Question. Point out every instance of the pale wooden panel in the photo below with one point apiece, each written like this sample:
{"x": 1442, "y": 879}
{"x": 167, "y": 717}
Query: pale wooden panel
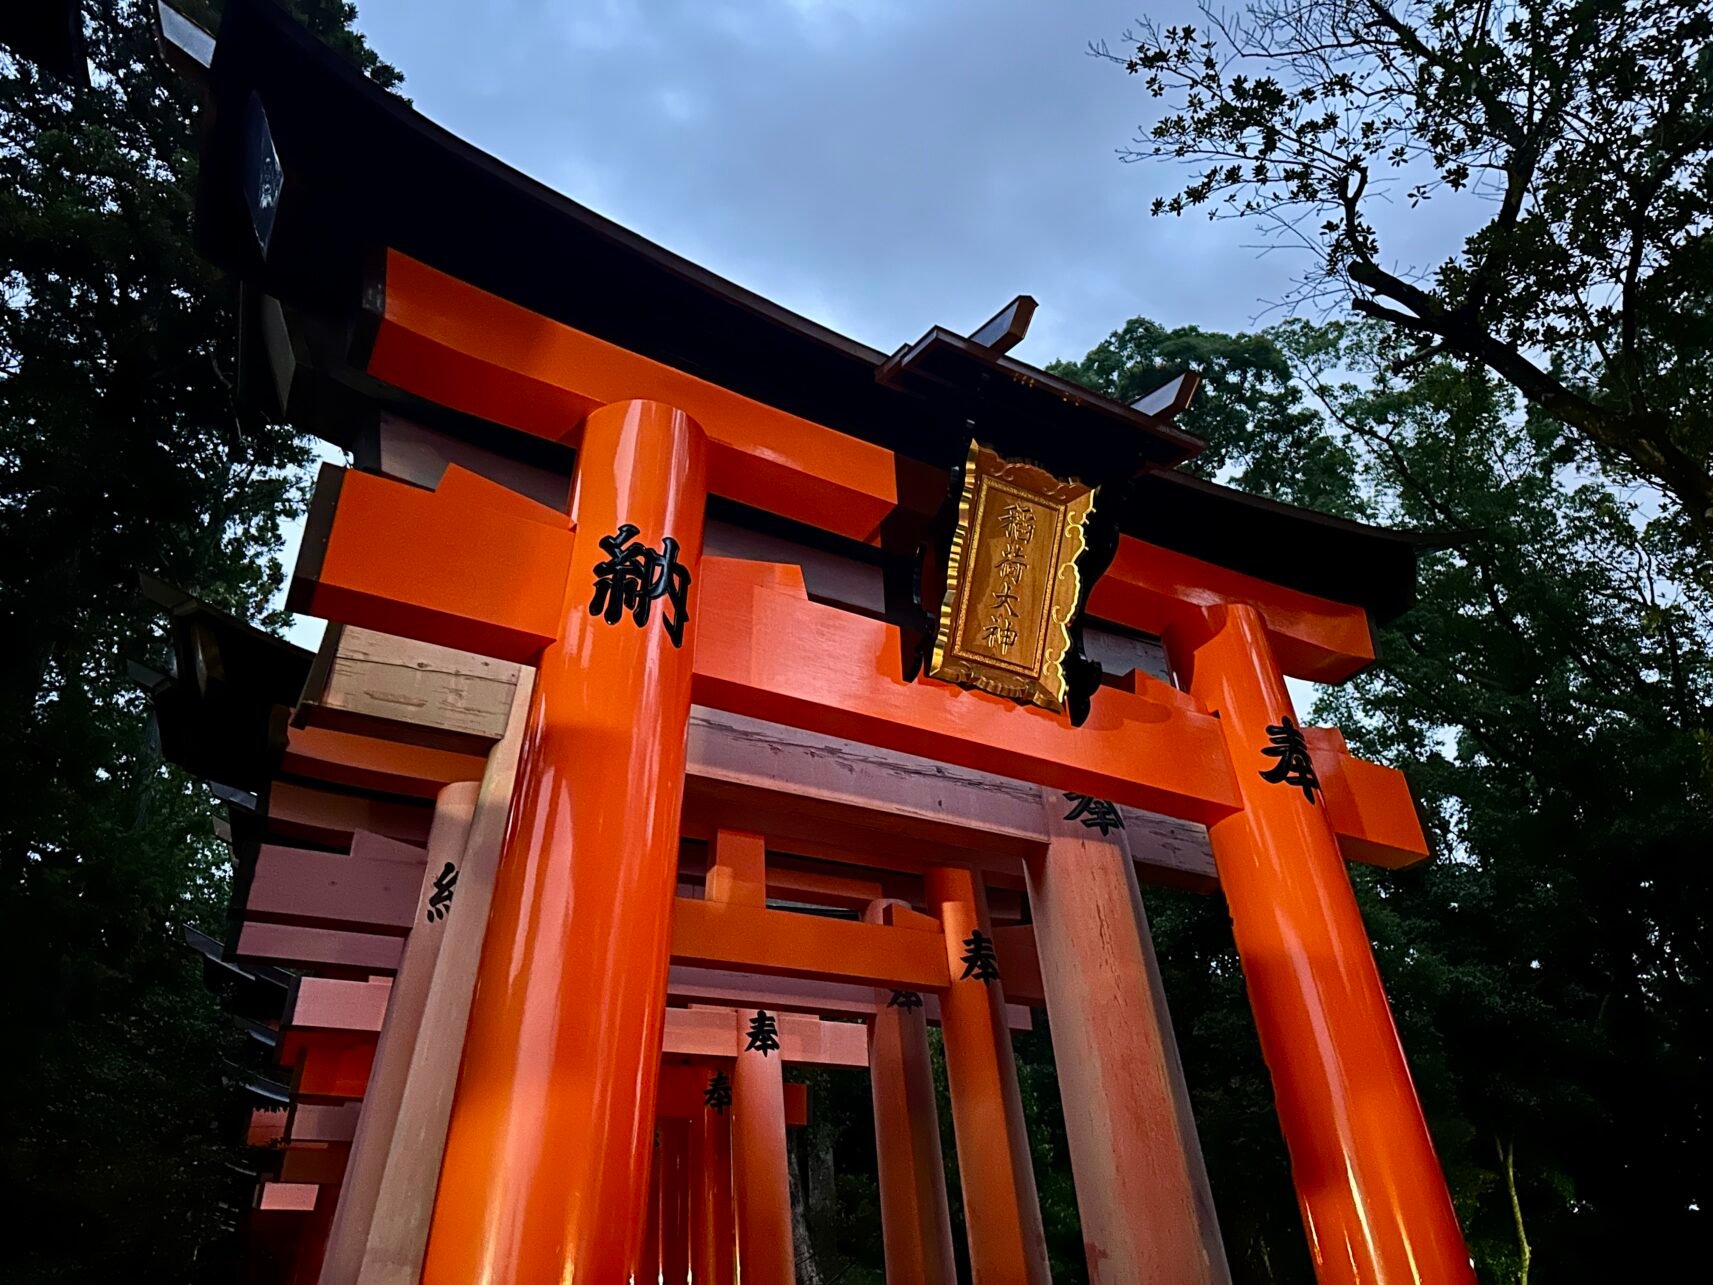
{"x": 407, "y": 1000}
{"x": 870, "y": 806}
{"x": 332, "y": 1004}
{"x": 296, "y": 946}
{"x": 1142, "y": 1188}
{"x": 398, "y": 1230}
{"x": 314, "y": 1122}
{"x": 370, "y": 894}
{"x": 718, "y": 1032}
{"x": 381, "y": 685}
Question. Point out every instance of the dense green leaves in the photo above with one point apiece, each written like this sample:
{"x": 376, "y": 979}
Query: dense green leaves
{"x": 1552, "y": 695}
{"x": 120, "y": 452}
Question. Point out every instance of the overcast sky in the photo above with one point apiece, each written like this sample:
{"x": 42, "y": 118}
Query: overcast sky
{"x": 878, "y": 165}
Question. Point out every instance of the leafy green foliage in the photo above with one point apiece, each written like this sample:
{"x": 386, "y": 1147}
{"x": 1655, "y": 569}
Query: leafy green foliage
{"x": 1575, "y": 136}
{"x": 1552, "y": 695}
{"x": 120, "y": 452}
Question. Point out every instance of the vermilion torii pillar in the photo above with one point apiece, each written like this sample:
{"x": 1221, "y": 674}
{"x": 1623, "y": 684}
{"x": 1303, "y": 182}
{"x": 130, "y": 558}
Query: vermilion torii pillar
{"x": 914, "y": 1219}
{"x": 1373, "y": 1200}
{"x": 1002, "y": 1213}
{"x": 712, "y": 1233}
{"x": 545, "y": 1175}
{"x": 761, "y": 1189}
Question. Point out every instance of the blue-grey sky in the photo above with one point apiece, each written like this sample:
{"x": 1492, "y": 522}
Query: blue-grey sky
{"x": 878, "y": 165}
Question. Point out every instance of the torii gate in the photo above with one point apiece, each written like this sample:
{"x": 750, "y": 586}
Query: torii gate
{"x": 628, "y": 621}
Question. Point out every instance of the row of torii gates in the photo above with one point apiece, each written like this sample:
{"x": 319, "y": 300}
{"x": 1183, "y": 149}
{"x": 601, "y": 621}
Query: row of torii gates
{"x": 852, "y": 691}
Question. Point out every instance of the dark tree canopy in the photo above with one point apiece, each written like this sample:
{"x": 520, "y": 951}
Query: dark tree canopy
{"x": 1576, "y": 135}
{"x": 1552, "y": 696}
{"x": 120, "y": 452}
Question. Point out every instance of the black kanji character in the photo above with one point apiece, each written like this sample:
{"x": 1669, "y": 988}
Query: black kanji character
{"x": 763, "y": 1033}
{"x": 979, "y": 961}
{"x": 905, "y": 999}
{"x": 440, "y": 900}
{"x": 633, "y": 576}
{"x": 1097, "y": 814}
{"x": 718, "y": 1094}
{"x": 1285, "y": 742}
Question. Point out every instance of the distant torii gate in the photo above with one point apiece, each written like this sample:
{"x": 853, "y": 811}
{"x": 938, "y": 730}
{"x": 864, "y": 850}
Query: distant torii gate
{"x": 629, "y": 620}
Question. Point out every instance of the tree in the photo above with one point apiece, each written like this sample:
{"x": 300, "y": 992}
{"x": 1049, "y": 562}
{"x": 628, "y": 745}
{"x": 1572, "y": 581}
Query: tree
{"x": 1552, "y": 696}
{"x": 1579, "y": 134}
{"x": 120, "y": 452}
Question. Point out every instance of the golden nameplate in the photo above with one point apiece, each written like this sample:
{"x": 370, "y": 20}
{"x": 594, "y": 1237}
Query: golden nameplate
{"x": 1011, "y": 580}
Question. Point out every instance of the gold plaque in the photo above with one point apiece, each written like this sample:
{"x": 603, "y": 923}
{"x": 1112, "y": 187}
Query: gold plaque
{"x": 1011, "y": 580}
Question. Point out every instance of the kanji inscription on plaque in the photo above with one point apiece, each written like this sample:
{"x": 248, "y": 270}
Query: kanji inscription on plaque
{"x": 1012, "y": 586}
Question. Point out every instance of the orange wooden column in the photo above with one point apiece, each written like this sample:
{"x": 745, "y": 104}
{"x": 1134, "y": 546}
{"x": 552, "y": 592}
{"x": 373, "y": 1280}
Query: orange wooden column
{"x": 1142, "y": 1192}
{"x": 761, "y": 1188}
{"x": 1002, "y": 1213}
{"x": 675, "y": 1201}
{"x": 1374, "y": 1201}
{"x": 915, "y": 1223}
{"x": 712, "y": 1234}
{"x": 647, "y": 1268}
{"x": 545, "y": 1175}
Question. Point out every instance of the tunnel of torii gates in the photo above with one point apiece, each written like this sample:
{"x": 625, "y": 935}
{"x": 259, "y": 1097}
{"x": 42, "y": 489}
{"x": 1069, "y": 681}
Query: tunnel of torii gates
{"x": 706, "y": 692}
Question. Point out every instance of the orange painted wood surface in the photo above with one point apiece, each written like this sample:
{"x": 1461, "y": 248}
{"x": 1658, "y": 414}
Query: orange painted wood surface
{"x": 330, "y": 1064}
{"x": 836, "y": 673}
{"x": 760, "y": 1186}
{"x": 1370, "y": 806}
{"x": 713, "y": 1233}
{"x": 305, "y": 812}
{"x": 1373, "y": 1199}
{"x": 1002, "y": 1213}
{"x": 1151, "y": 589}
{"x": 707, "y": 1032}
{"x": 457, "y": 345}
{"x": 438, "y": 566}
{"x": 1142, "y": 1192}
{"x": 545, "y": 1170}
{"x": 450, "y": 342}
{"x": 712, "y": 934}
{"x": 915, "y": 1218}
{"x": 737, "y": 869}
{"x": 375, "y": 764}
{"x": 674, "y": 1201}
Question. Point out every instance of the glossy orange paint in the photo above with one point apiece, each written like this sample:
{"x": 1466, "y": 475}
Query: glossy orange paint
{"x": 713, "y": 934}
{"x": 330, "y": 1064}
{"x": 445, "y": 567}
{"x": 915, "y": 1221}
{"x": 760, "y": 1186}
{"x": 1373, "y": 1199}
{"x": 646, "y": 1270}
{"x": 1151, "y": 589}
{"x": 1002, "y": 1213}
{"x": 675, "y": 1202}
{"x": 452, "y": 343}
{"x": 545, "y": 1173}
{"x": 837, "y": 673}
{"x": 369, "y": 763}
{"x": 737, "y": 871}
{"x": 713, "y": 1235}
{"x": 1370, "y": 805}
